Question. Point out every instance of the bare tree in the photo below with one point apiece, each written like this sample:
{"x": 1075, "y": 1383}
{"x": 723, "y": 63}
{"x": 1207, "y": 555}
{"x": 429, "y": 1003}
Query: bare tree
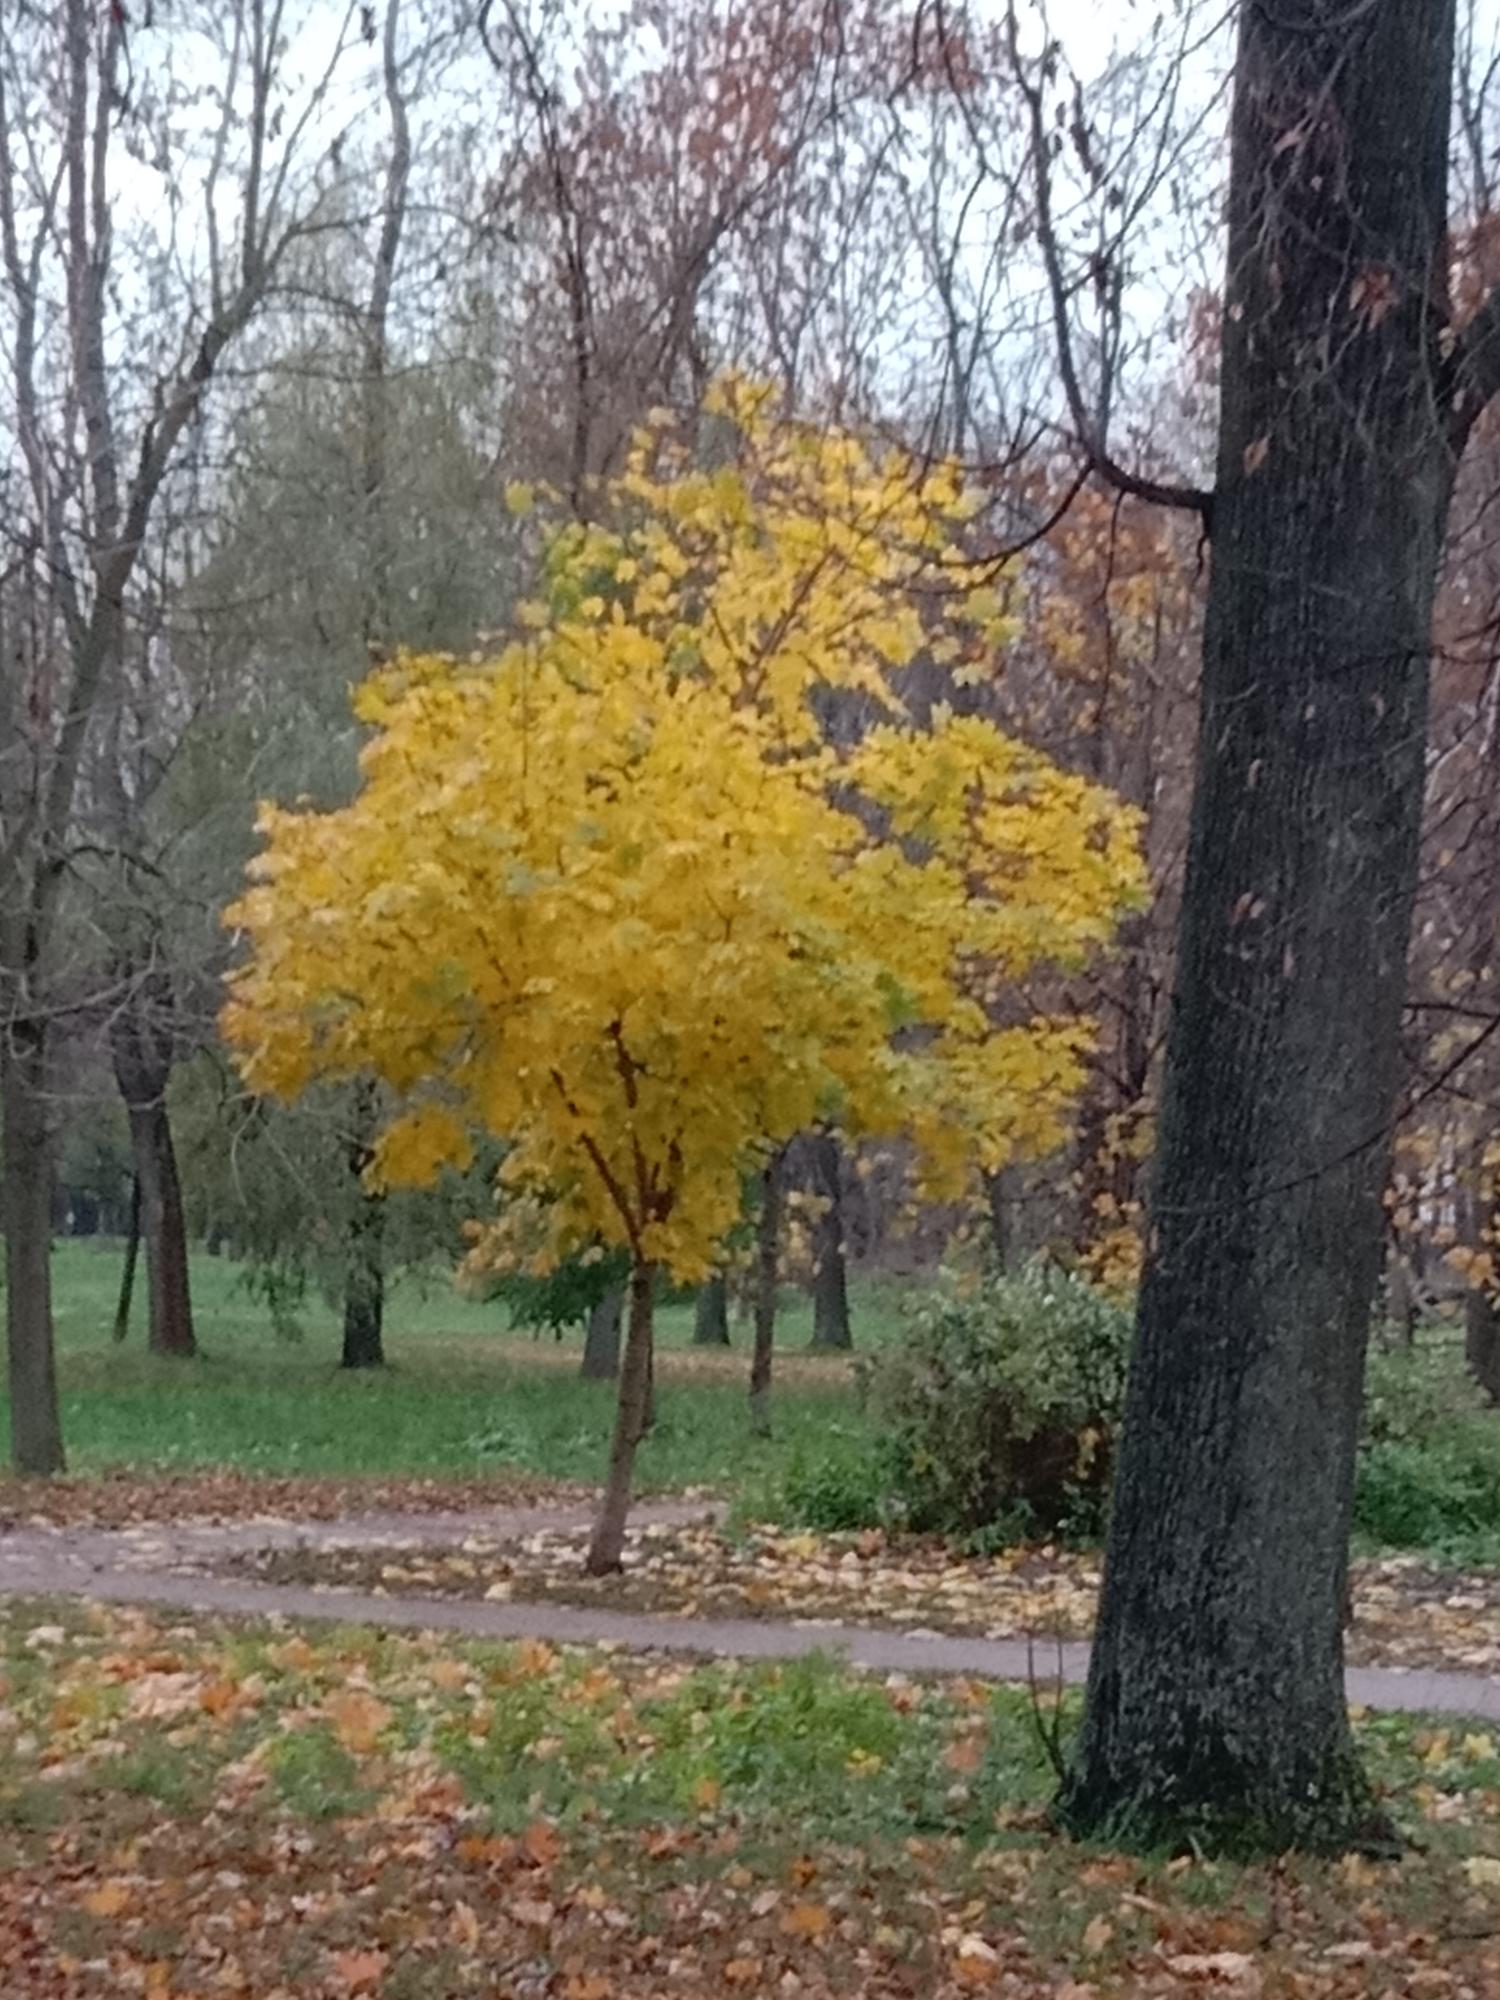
{"x": 116, "y": 328}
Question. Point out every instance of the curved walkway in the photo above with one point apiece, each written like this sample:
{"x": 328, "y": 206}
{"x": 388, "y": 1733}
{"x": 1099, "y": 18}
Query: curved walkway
{"x": 171, "y": 1565}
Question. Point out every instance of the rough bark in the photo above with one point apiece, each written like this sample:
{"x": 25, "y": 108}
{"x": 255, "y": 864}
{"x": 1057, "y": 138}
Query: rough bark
{"x": 163, "y": 1231}
{"x": 364, "y": 1285}
{"x": 1215, "y": 1711}
{"x": 141, "y": 1045}
{"x": 711, "y": 1313}
{"x": 632, "y": 1421}
{"x": 26, "y": 1200}
{"x": 601, "y": 1343}
{"x": 830, "y": 1289}
{"x": 767, "y": 1273}
{"x": 132, "y": 1255}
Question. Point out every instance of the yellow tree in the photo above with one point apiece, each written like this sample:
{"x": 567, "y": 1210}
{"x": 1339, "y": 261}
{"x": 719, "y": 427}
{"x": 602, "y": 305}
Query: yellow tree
{"x": 619, "y": 895}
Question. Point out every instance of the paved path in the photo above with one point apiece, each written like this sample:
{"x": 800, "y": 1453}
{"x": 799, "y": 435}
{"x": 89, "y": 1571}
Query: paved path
{"x": 163, "y": 1565}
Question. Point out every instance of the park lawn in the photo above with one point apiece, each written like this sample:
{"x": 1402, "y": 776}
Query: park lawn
{"x": 465, "y": 1396}
{"x": 194, "y": 1807}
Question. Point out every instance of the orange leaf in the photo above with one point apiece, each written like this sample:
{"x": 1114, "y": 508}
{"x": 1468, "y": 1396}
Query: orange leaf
{"x": 806, "y": 1920}
{"x": 965, "y": 1754}
{"x": 540, "y": 1844}
{"x": 742, "y": 1972}
{"x": 110, "y": 1899}
{"x": 977, "y": 1963}
{"x": 358, "y": 1719}
{"x": 706, "y": 1794}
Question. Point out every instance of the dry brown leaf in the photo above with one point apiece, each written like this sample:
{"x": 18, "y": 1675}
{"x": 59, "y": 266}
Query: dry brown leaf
{"x": 1097, "y": 1934}
{"x": 540, "y": 1844}
{"x": 742, "y": 1972}
{"x": 358, "y": 1971}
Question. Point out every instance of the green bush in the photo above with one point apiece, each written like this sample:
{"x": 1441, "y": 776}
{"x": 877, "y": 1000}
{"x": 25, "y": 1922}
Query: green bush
{"x": 849, "y": 1484}
{"x": 999, "y": 1409}
{"x": 1442, "y": 1495}
{"x": 1429, "y": 1460}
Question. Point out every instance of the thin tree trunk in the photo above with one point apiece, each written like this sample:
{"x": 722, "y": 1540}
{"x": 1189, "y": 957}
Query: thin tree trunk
{"x": 163, "y": 1231}
{"x": 364, "y": 1252}
{"x": 364, "y": 1286}
{"x": 141, "y": 1042}
{"x": 767, "y": 1274}
{"x": 711, "y": 1313}
{"x": 127, "y": 1269}
{"x": 830, "y": 1290}
{"x": 26, "y": 1198}
{"x": 1216, "y": 1712}
{"x": 632, "y": 1421}
{"x": 997, "y": 1207}
{"x": 601, "y": 1344}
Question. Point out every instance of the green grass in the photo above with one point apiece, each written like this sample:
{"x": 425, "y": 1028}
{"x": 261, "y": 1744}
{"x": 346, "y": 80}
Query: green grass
{"x": 465, "y": 1393}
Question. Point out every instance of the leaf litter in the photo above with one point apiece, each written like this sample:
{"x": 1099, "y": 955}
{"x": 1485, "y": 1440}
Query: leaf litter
{"x": 197, "y": 1808}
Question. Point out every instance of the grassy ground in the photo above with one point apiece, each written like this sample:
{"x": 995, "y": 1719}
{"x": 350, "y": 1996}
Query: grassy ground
{"x": 199, "y": 1808}
{"x": 465, "y": 1394}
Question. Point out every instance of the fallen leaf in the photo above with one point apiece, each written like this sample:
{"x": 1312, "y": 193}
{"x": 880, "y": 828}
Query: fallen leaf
{"x": 1097, "y": 1934}
{"x": 1229, "y": 1965}
{"x": 806, "y": 1920}
{"x": 976, "y": 1962}
{"x": 359, "y": 1971}
{"x": 358, "y": 1719}
{"x": 540, "y": 1844}
{"x": 742, "y": 1972}
{"x": 110, "y": 1899}
{"x": 1483, "y": 1870}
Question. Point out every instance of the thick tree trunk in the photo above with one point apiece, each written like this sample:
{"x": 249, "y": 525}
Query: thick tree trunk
{"x": 163, "y": 1230}
{"x": 364, "y": 1250}
{"x": 1215, "y": 1711}
{"x": 601, "y": 1343}
{"x": 767, "y": 1275}
{"x": 711, "y": 1313}
{"x": 1482, "y": 1340}
{"x": 26, "y": 1198}
{"x": 831, "y": 1328}
{"x": 632, "y": 1421}
{"x": 132, "y": 1254}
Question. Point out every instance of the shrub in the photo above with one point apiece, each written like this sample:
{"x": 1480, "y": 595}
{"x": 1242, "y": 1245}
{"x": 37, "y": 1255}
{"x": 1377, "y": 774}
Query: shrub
{"x": 1429, "y": 1461}
{"x": 1000, "y": 1407}
{"x": 842, "y": 1487}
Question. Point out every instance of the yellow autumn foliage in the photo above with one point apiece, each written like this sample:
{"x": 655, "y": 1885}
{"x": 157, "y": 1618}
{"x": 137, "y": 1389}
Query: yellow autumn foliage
{"x": 674, "y": 875}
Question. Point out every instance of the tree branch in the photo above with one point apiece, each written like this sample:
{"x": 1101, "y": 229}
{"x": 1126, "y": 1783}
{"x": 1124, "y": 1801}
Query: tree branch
{"x": 1092, "y": 437}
